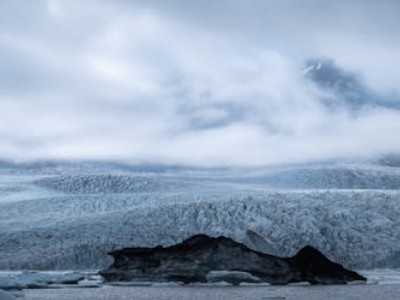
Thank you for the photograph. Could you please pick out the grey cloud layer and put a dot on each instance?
(200, 83)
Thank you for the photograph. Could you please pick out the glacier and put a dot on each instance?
(59, 216)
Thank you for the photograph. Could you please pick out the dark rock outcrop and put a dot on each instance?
(196, 258)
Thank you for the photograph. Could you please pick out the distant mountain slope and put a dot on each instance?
(347, 88)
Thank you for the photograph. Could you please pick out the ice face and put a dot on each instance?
(71, 219)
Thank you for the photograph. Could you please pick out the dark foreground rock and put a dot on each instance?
(199, 257)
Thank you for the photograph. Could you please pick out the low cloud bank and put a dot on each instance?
(150, 83)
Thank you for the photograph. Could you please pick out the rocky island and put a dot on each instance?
(202, 258)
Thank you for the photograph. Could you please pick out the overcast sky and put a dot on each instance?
(204, 83)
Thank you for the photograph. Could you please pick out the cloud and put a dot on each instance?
(195, 83)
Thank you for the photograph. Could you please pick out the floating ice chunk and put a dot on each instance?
(35, 280)
(382, 276)
(167, 284)
(19, 283)
(233, 277)
(52, 278)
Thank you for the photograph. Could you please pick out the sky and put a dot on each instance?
(200, 83)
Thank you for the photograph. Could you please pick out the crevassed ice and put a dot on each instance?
(356, 228)
(71, 219)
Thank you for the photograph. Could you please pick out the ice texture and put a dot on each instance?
(30, 279)
(100, 184)
(233, 277)
(69, 218)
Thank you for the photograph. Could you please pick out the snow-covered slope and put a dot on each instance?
(71, 219)
(347, 89)
(326, 177)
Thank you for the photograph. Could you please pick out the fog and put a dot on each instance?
(205, 83)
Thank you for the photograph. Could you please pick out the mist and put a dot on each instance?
(227, 83)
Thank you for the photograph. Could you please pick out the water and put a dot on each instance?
(342, 292)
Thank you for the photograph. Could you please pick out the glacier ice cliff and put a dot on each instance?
(52, 218)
